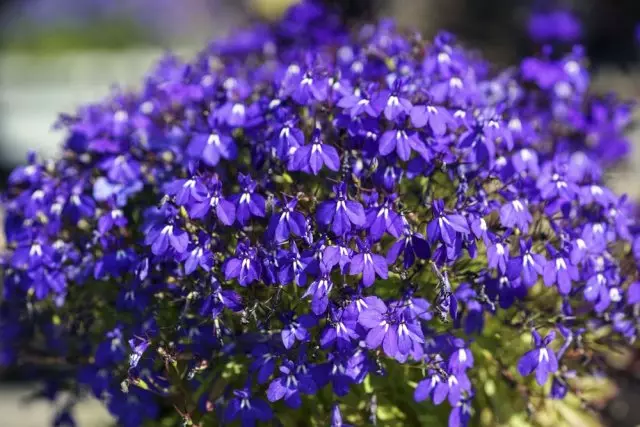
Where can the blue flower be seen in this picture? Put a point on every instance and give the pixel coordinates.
(244, 266)
(341, 212)
(162, 237)
(541, 359)
(248, 202)
(369, 264)
(341, 327)
(312, 157)
(248, 408)
(293, 380)
(296, 328)
(287, 222)
(402, 142)
(211, 147)
(446, 227)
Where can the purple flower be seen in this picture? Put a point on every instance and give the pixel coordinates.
(319, 291)
(447, 227)
(384, 218)
(110, 219)
(338, 254)
(341, 327)
(296, 329)
(437, 118)
(312, 157)
(187, 191)
(264, 362)
(357, 104)
(369, 264)
(498, 256)
(529, 264)
(341, 212)
(560, 270)
(292, 267)
(515, 214)
(211, 147)
(438, 389)
(162, 237)
(394, 329)
(541, 359)
(30, 255)
(336, 417)
(287, 140)
(308, 87)
(244, 266)
(248, 202)
(224, 209)
(198, 256)
(411, 245)
(402, 142)
(249, 409)
(293, 380)
(288, 221)
(392, 104)
(138, 347)
(633, 293)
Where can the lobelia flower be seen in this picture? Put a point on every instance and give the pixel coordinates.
(436, 117)
(265, 357)
(368, 263)
(528, 264)
(248, 408)
(446, 227)
(341, 328)
(296, 328)
(411, 245)
(293, 381)
(138, 347)
(438, 389)
(248, 202)
(515, 214)
(498, 256)
(319, 290)
(402, 142)
(541, 359)
(198, 256)
(114, 218)
(224, 209)
(162, 237)
(390, 327)
(384, 219)
(559, 270)
(244, 266)
(358, 103)
(292, 267)
(461, 413)
(312, 157)
(339, 254)
(211, 147)
(336, 417)
(287, 222)
(187, 191)
(341, 212)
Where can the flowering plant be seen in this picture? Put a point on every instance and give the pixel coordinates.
(305, 225)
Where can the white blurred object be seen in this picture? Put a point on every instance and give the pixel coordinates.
(35, 89)
(17, 413)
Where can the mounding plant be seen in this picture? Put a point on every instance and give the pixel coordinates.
(317, 225)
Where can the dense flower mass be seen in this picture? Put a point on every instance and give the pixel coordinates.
(270, 231)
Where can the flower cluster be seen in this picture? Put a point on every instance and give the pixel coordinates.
(304, 211)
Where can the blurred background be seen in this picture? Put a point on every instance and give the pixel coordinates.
(57, 54)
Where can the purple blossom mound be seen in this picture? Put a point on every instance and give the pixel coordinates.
(315, 225)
